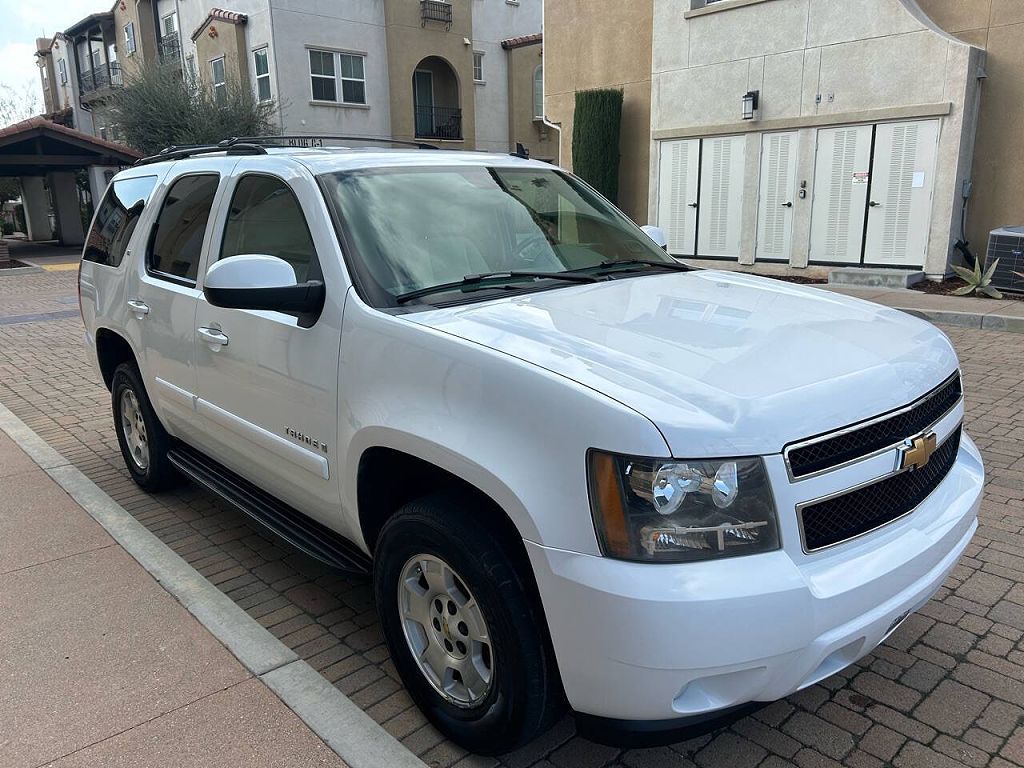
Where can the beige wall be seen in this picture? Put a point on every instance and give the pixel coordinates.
(610, 47)
(229, 43)
(140, 14)
(409, 42)
(998, 27)
(539, 138)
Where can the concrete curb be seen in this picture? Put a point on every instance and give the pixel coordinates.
(341, 724)
(1005, 323)
(28, 269)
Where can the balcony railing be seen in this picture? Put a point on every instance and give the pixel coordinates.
(438, 123)
(436, 10)
(170, 48)
(95, 82)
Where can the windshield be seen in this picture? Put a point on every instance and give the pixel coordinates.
(417, 228)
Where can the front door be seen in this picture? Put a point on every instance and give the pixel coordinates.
(902, 184)
(423, 101)
(677, 194)
(267, 381)
(775, 199)
(841, 175)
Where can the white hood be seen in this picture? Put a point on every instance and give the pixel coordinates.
(724, 364)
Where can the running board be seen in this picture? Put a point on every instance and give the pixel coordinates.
(302, 532)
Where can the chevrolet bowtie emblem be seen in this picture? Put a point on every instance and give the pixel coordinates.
(916, 452)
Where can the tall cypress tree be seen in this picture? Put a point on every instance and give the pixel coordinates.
(595, 139)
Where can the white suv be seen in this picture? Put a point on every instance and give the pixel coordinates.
(578, 471)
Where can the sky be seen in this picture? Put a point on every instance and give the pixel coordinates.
(22, 21)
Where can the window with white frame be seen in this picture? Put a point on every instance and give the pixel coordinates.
(538, 93)
(219, 80)
(478, 66)
(261, 67)
(169, 24)
(129, 38)
(62, 68)
(326, 68)
(190, 67)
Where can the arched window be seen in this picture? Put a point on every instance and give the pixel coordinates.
(538, 93)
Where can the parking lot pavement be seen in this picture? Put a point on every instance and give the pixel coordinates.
(947, 689)
(101, 667)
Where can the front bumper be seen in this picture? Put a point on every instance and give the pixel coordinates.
(650, 642)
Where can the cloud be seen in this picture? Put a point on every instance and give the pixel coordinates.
(18, 68)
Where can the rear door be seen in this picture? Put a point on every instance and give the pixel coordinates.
(162, 291)
(267, 383)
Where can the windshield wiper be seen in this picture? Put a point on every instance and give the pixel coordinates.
(626, 264)
(475, 281)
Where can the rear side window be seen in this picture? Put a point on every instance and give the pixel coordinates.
(177, 239)
(265, 218)
(116, 218)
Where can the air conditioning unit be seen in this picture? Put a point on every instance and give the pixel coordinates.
(1007, 245)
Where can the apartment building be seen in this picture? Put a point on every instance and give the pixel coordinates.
(461, 73)
(807, 132)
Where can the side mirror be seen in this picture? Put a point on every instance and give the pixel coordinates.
(254, 281)
(657, 235)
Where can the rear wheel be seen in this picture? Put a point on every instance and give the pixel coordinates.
(464, 630)
(143, 440)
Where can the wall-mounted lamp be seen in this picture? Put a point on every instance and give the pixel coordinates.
(750, 103)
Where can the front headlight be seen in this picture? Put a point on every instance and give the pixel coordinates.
(657, 510)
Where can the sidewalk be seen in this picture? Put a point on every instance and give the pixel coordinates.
(963, 311)
(100, 666)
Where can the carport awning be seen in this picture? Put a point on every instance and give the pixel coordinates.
(38, 146)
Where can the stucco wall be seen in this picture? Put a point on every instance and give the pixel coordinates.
(540, 139)
(140, 14)
(494, 21)
(998, 27)
(607, 48)
(223, 39)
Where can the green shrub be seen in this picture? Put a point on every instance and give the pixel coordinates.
(595, 139)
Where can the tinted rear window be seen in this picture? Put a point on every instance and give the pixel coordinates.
(116, 218)
(177, 239)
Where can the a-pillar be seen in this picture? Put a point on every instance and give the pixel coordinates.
(66, 207)
(37, 208)
(99, 178)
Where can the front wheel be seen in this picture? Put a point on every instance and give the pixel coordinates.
(464, 630)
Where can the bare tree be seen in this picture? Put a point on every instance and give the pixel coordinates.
(18, 104)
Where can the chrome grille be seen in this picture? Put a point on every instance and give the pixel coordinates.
(864, 509)
(813, 456)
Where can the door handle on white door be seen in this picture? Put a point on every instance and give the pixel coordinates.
(139, 308)
(213, 337)
(787, 205)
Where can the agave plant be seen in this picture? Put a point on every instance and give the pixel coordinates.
(978, 281)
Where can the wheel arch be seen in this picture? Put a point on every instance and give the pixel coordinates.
(112, 349)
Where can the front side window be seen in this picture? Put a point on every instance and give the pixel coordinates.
(177, 239)
(220, 87)
(265, 217)
(129, 38)
(261, 67)
(416, 228)
(116, 218)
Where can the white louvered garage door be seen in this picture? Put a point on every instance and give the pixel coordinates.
(777, 190)
(841, 171)
(902, 184)
(677, 194)
(721, 196)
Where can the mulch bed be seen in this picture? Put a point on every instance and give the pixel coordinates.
(950, 284)
(10, 264)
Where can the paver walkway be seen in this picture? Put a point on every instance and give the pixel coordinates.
(99, 666)
(947, 689)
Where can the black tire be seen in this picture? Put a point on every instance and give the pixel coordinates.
(525, 696)
(158, 473)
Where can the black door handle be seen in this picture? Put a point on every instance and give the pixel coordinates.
(693, 205)
(787, 205)
(873, 204)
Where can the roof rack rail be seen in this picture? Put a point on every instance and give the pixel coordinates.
(294, 139)
(180, 152)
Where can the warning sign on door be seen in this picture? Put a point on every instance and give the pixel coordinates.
(860, 177)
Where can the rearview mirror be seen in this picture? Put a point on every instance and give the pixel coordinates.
(256, 281)
(657, 235)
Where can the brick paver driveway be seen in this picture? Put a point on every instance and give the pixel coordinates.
(946, 689)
